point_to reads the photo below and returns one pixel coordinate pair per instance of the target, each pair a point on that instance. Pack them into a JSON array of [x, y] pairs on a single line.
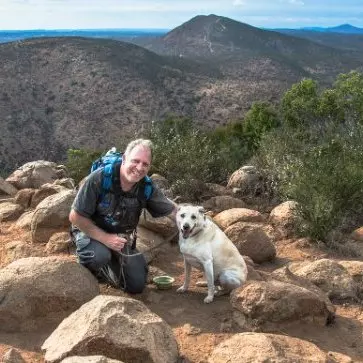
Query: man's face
[[137, 164]]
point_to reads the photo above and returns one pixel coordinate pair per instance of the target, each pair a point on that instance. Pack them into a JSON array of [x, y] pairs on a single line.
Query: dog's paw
[[181, 289], [208, 299], [201, 283]]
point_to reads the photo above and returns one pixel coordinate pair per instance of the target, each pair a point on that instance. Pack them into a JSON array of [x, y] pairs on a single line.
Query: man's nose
[[140, 166]]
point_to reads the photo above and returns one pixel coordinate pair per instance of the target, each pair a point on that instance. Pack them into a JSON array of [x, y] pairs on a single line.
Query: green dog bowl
[[163, 282]]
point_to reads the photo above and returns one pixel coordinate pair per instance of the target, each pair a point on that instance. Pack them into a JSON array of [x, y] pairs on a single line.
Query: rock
[[10, 211], [33, 174], [51, 215], [38, 291], [259, 347], [331, 277], [252, 240], [119, 327], [270, 303], [12, 356], [7, 188], [234, 215]]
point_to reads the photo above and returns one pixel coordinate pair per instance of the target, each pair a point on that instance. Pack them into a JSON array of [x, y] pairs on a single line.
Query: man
[[100, 228]]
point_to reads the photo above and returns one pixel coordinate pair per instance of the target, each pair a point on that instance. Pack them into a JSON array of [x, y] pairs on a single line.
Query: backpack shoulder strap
[[107, 175], [148, 187], [110, 177]]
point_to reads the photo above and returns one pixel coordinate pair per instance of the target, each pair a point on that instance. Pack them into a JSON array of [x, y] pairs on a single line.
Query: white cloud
[[296, 2], [238, 2]]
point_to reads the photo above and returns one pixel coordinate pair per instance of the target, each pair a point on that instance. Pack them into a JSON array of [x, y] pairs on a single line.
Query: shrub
[[79, 162], [185, 155], [321, 169]]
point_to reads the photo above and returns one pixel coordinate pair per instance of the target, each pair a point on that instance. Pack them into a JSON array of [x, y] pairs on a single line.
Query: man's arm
[[112, 241]]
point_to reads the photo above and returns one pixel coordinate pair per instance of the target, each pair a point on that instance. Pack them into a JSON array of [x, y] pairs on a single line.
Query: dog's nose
[[186, 226]]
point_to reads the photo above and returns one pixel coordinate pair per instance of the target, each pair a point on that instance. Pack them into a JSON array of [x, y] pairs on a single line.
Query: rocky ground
[[199, 327]]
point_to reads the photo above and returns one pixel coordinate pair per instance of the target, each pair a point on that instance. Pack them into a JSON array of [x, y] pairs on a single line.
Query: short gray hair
[[139, 142]]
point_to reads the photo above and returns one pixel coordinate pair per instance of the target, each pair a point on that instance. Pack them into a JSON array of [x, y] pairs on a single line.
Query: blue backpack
[[107, 162]]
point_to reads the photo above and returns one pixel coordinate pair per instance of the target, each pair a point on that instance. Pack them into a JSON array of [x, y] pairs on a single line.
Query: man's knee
[[94, 256]]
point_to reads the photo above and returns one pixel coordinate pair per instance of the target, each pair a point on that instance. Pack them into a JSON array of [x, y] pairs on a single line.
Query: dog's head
[[190, 220]]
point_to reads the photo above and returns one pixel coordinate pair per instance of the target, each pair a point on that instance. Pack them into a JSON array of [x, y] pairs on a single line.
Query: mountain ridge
[[69, 92]]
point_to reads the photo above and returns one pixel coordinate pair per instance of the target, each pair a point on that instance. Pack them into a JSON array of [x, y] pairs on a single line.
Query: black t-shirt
[[117, 211]]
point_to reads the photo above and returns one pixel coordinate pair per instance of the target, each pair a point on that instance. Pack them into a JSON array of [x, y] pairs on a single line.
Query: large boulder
[[285, 218], [331, 277], [10, 211], [37, 291], [268, 304], [259, 347], [25, 220], [45, 191], [116, 327], [34, 174], [252, 240], [285, 275], [23, 197], [51, 215], [14, 250], [165, 226], [7, 188], [234, 215]]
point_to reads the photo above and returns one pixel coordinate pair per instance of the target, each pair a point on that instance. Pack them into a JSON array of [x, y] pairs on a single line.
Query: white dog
[[207, 248]]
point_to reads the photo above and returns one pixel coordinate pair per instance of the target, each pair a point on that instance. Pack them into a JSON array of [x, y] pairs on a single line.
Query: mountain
[[343, 41], [237, 48], [60, 93], [344, 28], [69, 92]]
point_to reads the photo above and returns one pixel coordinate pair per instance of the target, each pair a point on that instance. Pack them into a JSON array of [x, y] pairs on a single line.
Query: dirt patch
[[199, 327]]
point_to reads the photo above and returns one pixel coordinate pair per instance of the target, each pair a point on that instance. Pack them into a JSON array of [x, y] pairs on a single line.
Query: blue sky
[[167, 14]]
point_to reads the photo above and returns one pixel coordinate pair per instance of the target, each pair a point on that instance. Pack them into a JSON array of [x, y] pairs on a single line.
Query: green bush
[[322, 169], [79, 162], [316, 158], [185, 155]]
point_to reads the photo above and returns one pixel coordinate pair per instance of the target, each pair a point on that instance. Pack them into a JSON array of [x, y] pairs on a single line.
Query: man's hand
[[114, 242]]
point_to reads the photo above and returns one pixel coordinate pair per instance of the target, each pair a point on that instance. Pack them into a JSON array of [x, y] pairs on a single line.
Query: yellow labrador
[[207, 248]]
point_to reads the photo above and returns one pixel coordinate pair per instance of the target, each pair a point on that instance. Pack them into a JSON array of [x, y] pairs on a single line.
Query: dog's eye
[[193, 216], [182, 215]]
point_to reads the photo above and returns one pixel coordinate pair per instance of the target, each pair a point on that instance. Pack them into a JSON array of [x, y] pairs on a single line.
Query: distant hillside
[[344, 41], [67, 92], [59, 93], [236, 47], [120, 34], [344, 28]]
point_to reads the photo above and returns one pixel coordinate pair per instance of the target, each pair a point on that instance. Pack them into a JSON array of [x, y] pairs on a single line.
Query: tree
[[259, 120], [349, 94], [300, 105]]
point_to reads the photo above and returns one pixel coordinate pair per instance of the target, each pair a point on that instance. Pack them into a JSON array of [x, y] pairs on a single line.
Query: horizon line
[[168, 29], [83, 29]]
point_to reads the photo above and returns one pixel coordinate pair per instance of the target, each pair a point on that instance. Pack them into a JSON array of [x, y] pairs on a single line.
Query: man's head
[[136, 161]]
